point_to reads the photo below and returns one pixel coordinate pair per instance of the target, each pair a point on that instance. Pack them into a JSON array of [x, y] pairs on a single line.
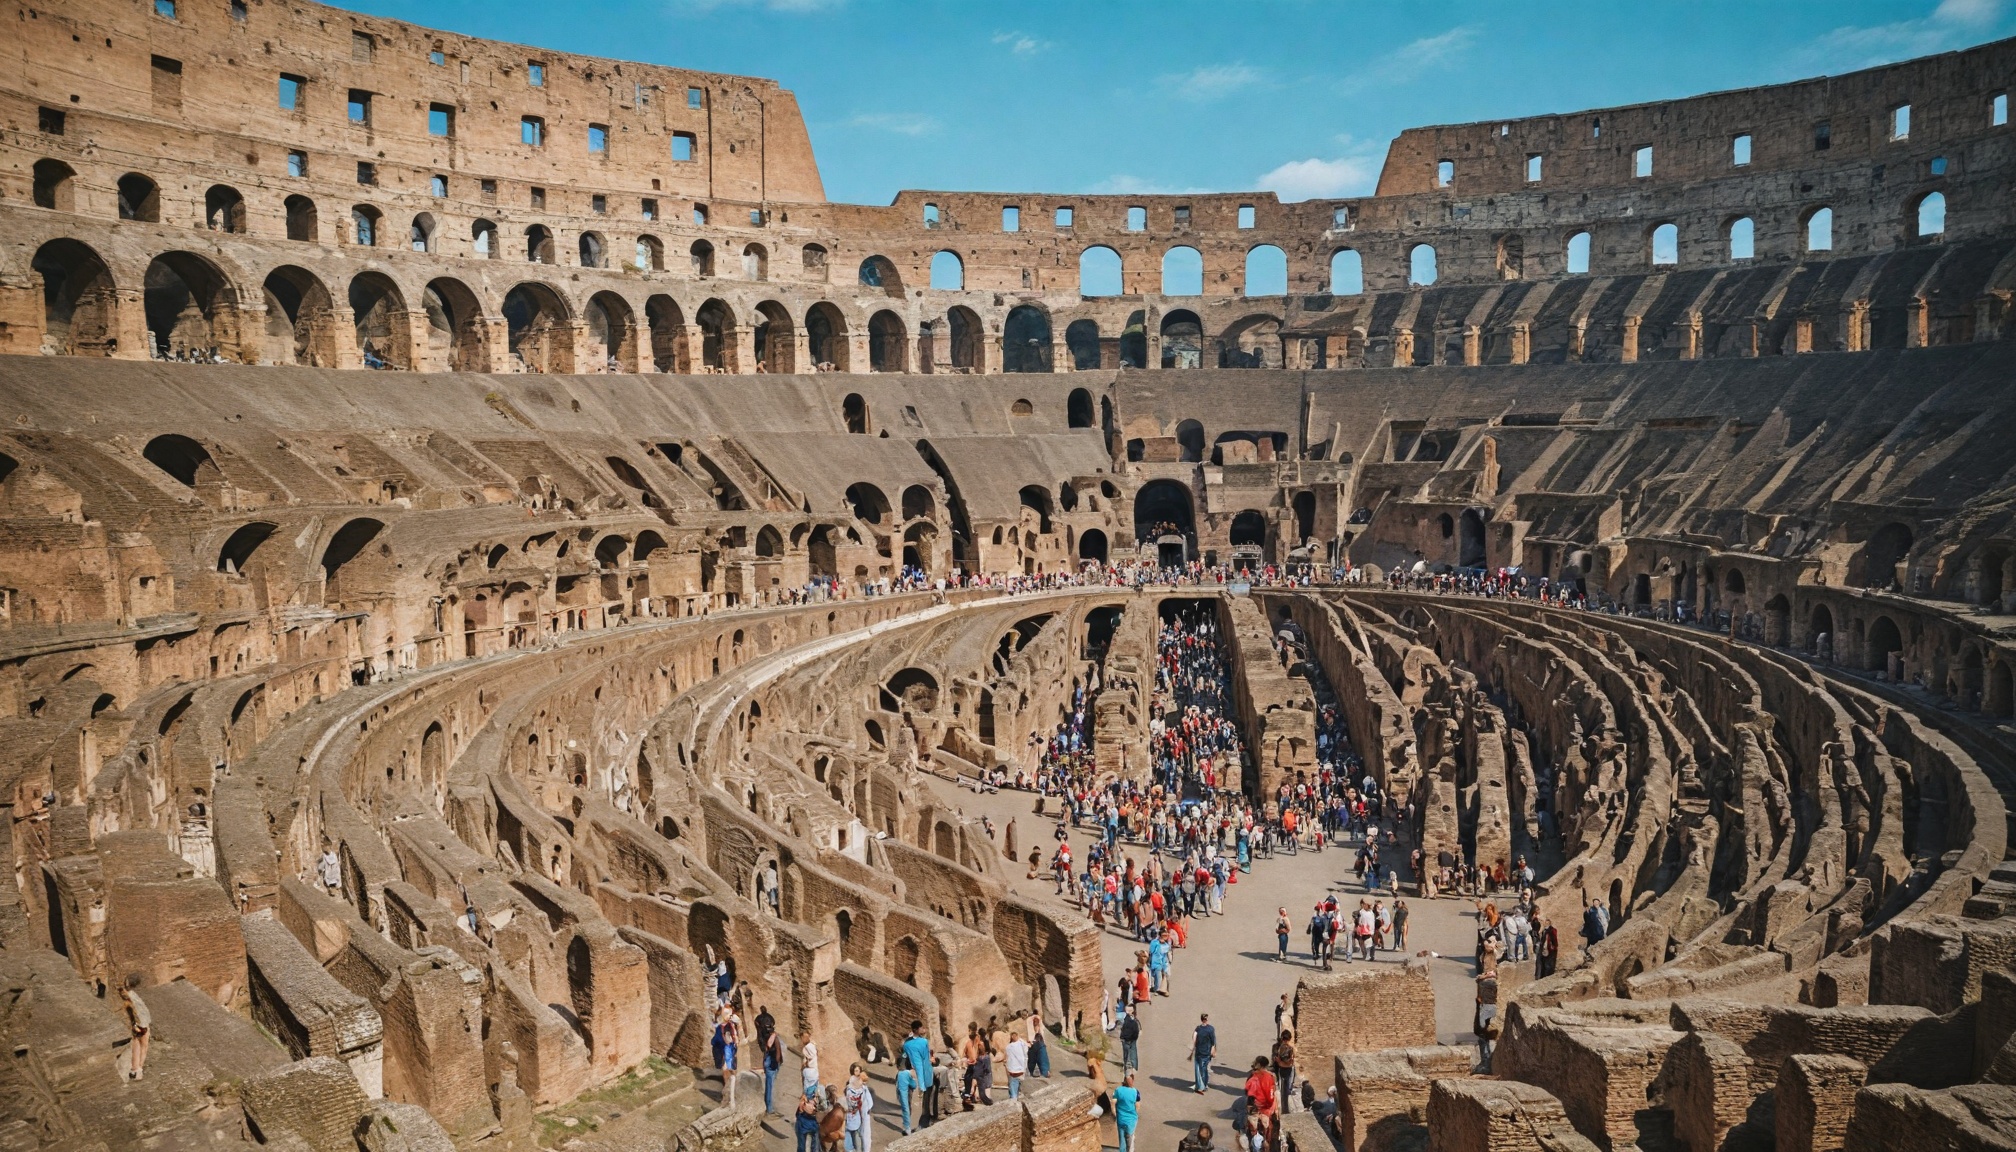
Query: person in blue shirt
[[1202, 1049], [916, 1070], [1127, 1111], [1158, 963]]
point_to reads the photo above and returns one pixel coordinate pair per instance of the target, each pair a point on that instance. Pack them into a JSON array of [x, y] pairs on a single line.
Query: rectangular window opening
[[1445, 173], [1641, 162], [438, 58], [1063, 217], [489, 189], [756, 217], [360, 106], [599, 205], [1739, 150], [539, 199], [695, 98], [1011, 219], [292, 89], [1533, 168], [532, 131], [1340, 218], [167, 82], [1900, 122], [297, 164], [367, 172], [1823, 136], [1998, 109], [440, 120], [361, 46], [50, 121], [598, 138], [1137, 219], [535, 74], [438, 186], [165, 8], [650, 209], [682, 145]]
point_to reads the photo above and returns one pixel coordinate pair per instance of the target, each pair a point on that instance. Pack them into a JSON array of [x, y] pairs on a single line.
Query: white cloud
[[1313, 178], [1212, 81], [1953, 24], [1414, 61], [1021, 43], [901, 123]]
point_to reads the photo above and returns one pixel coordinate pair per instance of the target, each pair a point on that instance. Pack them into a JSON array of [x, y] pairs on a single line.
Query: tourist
[[1017, 1063], [808, 1055], [1595, 925], [1400, 924], [1203, 1048], [1284, 1069], [1281, 930], [1260, 1102], [914, 1073], [1198, 1141], [731, 1038], [772, 1045], [1095, 1076], [1130, 1039], [1126, 1111], [329, 869], [806, 1123], [1546, 947], [1039, 1048], [141, 1023], [859, 1102]]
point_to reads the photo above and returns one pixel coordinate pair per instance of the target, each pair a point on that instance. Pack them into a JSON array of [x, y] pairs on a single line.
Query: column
[[744, 350], [858, 359], [1522, 343], [801, 351], [1628, 353], [129, 325], [694, 359], [1473, 346]]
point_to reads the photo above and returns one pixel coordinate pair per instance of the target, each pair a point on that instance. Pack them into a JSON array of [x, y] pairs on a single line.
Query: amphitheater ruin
[[484, 541]]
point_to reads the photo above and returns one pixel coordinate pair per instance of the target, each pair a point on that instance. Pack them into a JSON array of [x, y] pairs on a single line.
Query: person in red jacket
[[1261, 1104]]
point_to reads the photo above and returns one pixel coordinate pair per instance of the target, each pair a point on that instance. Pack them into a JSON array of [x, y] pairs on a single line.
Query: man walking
[[1203, 1047], [915, 1074], [1595, 925], [1284, 1070], [1130, 1040]]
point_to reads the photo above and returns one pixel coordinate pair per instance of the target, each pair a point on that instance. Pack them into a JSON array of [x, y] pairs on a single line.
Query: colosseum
[[523, 625]]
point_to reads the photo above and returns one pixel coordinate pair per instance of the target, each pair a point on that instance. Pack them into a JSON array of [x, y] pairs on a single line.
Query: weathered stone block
[[1364, 1008], [1815, 1098], [1499, 1116], [1383, 1096], [316, 1099]]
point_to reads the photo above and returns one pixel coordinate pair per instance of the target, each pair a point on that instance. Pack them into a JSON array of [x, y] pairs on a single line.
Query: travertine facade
[[539, 628]]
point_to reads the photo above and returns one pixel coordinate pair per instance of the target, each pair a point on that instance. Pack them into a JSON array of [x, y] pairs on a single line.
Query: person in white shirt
[[809, 1052], [329, 870], [1018, 1064]]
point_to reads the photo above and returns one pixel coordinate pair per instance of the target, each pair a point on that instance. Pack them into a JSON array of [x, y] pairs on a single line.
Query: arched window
[[755, 262], [364, 225], [1932, 215], [539, 244], [1266, 271], [1742, 238], [223, 209], [813, 259], [421, 234], [483, 240], [1578, 254], [1099, 272], [1665, 245], [591, 250], [55, 186], [1421, 265], [1347, 273], [301, 219], [650, 254], [139, 199], [703, 258], [1820, 230], [1082, 338], [948, 272], [1182, 272]]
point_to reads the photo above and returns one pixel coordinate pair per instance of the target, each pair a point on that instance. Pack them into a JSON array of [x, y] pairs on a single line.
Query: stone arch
[[1347, 273], [539, 245], [303, 221], [702, 256], [184, 459], [1884, 638], [650, 254], [1470, 552], [612, 332], [1182, 271], [1025, 340], [867, 502], [366, 224], [1266, 271], [420, 235], [238, 549], [669, 350], [967, 334], [299, 328], [378, 311], [917, 502], [1882, 553], [224, 209], [948, 271], [539, 328], [183, 294], [1253, 342], [887, 340], [139, 198], [455, 328], [775, 339], [345, 544], [483, 241], [1165, 508], [718, 333], [593, 250], [1101, 272], [55, 186], [1078, 408], [1999, 694], [812, 259], [1081, 340], [826, 337], [1182, 339], [880, 272], [854, 411], [79, 303], [1092, 545], [1249, 529], [755, 262]]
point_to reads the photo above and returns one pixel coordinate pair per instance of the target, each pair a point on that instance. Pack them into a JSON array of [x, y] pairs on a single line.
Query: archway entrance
[[77, 301], [1025, 340], [1164, 517]]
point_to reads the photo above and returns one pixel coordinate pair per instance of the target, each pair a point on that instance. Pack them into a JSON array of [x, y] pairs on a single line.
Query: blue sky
[[1297, 96]]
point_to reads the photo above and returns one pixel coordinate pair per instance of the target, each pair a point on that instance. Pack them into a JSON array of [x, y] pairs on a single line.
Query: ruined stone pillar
[[1473, 346], [1855, 327], [1403, 347], [1802, 334], [129, 325], [1691, 350], [567, 348], [342, 338], [409, 340], [490, 344], [744, 350], [696, 345], [990, 354], [1917, 333], [801, 352], [21, 320], [857, 352], [1628, 351], [1522, 343], [1578, 340]]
